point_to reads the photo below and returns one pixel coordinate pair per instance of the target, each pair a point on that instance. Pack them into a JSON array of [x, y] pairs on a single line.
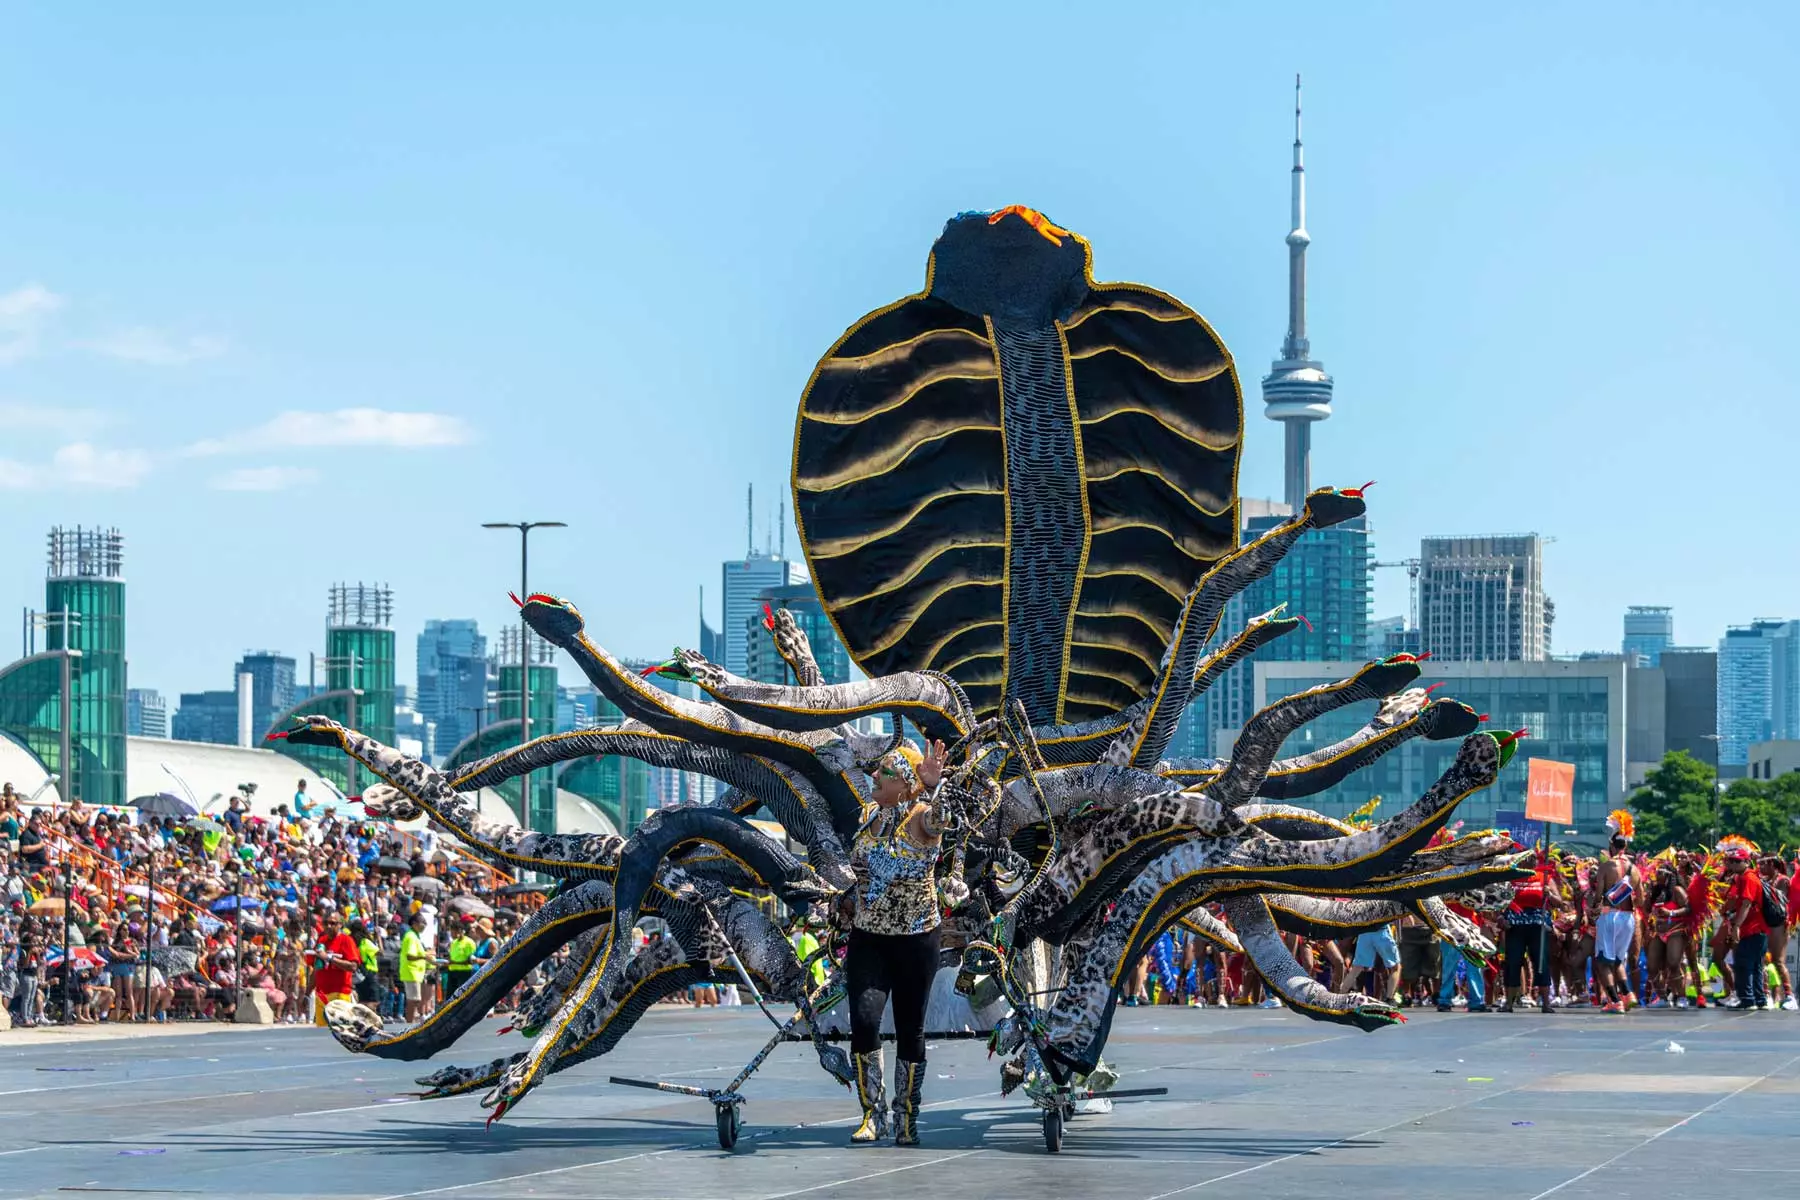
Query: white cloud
[[54, 419], [152, 347], [264, 479], [23, 314], [345, 427], [78, 465]]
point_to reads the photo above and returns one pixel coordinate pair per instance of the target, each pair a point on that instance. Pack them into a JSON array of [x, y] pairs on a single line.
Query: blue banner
[[1524, 832]]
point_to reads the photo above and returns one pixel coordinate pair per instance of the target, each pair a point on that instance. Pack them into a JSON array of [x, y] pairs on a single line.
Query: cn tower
[[1297, 391]]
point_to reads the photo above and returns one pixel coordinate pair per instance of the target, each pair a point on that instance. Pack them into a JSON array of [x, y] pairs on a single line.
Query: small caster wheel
[[1053, 1130], [728, 1125]]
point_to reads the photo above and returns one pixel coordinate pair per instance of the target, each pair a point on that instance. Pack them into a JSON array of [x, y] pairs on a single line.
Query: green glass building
[[1573, 712], [542, 692], [359, 680], [84, 614], [1325, 577]]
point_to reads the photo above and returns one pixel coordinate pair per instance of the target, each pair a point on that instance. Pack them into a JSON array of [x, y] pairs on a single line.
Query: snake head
[[695, 666], [552, 618], [314, 730], [386, 800], [353, 1025], [1375, 1015], [1331, 506]]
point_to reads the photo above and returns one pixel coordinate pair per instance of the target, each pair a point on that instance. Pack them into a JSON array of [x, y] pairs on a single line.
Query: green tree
[[1674, 806], [1763, 810]]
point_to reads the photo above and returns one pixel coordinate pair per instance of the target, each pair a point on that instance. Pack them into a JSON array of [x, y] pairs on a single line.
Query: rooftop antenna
[[750, 521], [781, 526]]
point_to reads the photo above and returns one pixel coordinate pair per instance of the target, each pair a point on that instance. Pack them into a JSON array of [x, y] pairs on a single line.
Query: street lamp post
[[1714, 739], [524, 528]]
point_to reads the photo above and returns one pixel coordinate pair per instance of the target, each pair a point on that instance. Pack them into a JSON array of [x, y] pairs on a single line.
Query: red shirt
[[1794, 899], [1746, 893], [334, 980]]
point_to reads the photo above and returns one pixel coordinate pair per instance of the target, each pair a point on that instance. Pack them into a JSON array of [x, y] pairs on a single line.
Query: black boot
[[871, 1093], [909, 1081]]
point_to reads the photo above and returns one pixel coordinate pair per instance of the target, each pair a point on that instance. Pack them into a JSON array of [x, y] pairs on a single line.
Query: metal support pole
[[524, 528], [524, 675]]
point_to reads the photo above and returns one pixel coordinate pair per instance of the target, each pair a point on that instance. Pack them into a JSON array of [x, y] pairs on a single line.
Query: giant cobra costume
[[1016, 493]]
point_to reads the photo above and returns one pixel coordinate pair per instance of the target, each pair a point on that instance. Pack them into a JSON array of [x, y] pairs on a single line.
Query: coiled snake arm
[[570, 913], [922, 698], [1205, 604], [581, 856]]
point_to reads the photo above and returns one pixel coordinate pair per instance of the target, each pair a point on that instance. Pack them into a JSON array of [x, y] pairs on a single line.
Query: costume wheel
[[728, 1125], [1053, 1130]]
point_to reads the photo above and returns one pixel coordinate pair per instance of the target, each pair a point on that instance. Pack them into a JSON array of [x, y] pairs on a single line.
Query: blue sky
[[298, 296]]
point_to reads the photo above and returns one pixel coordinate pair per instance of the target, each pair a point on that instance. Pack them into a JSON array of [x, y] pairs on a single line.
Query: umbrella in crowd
[[427, 885], [206, 825], [469, 906], [164, 804], [524, 889], [388, 862], [232, 903], [48, 906], [143, 893]]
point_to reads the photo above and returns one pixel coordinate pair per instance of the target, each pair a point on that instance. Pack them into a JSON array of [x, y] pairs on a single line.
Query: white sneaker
[[1271, 1002], [1681, 1002], [1731, 1002], [1789, 1004]]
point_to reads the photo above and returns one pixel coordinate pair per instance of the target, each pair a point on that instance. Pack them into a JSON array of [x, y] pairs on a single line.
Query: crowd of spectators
[[180, 917]]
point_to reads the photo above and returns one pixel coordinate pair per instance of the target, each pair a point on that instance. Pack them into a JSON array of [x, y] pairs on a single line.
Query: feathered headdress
[[1620, 823], [1734, 845]]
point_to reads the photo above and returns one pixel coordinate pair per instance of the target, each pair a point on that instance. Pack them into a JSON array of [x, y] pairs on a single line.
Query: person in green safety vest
[[415, 959], [806, 944], [368, 988], [462, 961]]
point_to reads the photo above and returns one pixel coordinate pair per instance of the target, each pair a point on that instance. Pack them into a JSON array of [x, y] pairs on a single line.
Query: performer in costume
[[1617, 924], [1665, 948], [893, 948]]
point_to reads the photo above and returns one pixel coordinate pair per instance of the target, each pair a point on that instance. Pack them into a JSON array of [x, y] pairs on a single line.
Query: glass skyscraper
[[359, 680], [1759, 687], [453, 679], [1326, 578], [271, 687], [1649, 630], [765, 664], [146, 713], [207, 717], [745, 580]]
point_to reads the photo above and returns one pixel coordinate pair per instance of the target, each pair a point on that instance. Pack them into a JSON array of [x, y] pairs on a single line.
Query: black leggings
[[878, 964], [1527, 941]]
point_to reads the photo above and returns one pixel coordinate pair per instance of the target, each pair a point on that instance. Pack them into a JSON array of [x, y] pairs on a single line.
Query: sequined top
[[895, 876]]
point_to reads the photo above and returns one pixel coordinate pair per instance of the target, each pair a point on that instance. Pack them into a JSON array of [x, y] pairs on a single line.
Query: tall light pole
[[524, 528], [1714, 739]]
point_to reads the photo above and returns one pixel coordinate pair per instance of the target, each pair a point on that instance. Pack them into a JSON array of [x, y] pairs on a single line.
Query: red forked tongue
[[768, 618], [1434, 687], [515, 599], [1301, 617], [499, 1111]]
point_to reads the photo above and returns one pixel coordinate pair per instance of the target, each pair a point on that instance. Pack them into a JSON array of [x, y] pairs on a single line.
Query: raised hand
[[931, 767]]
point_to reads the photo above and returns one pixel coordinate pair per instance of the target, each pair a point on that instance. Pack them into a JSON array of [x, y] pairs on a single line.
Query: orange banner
[[1549, 790]]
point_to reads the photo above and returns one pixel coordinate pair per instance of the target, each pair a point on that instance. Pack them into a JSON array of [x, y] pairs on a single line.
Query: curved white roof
[[211, 770]]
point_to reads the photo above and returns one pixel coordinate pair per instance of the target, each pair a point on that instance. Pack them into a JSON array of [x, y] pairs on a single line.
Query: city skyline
[[475, 308]]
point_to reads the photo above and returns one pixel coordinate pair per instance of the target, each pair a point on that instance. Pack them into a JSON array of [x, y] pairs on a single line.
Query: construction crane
[[1412, 588]]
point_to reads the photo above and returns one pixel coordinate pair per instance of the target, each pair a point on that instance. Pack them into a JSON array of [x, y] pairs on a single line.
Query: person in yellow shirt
[[462, 961], [415, 961]]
